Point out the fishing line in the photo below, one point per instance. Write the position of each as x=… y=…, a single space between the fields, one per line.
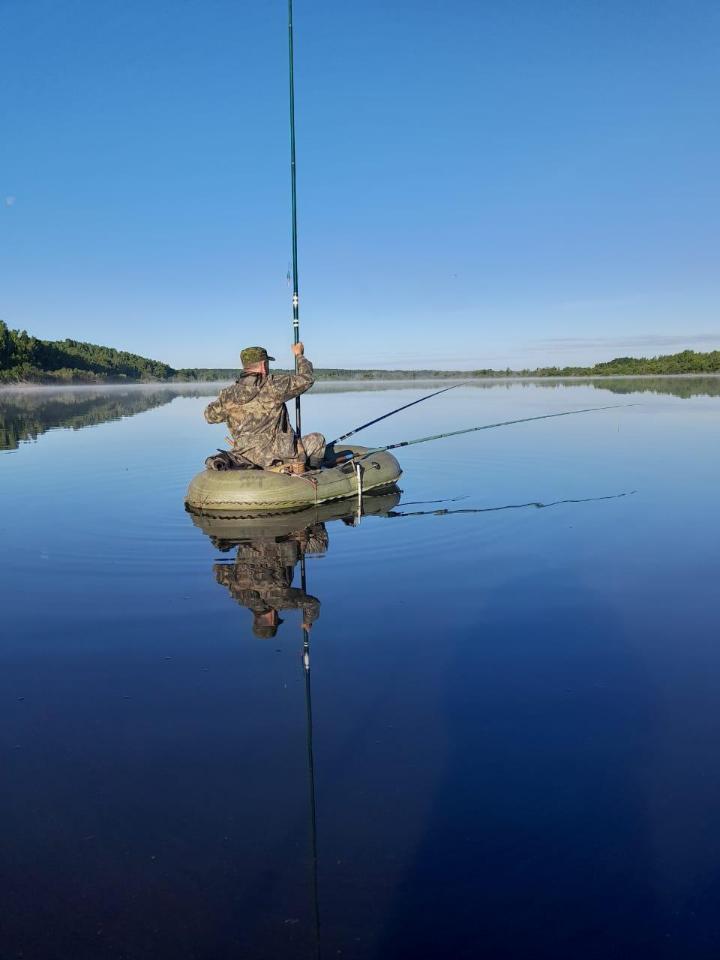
x=486 y=426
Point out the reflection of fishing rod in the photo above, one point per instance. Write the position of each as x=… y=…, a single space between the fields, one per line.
x=310 y=764
x=443 y=511
x=437 y=393
x=486 y=426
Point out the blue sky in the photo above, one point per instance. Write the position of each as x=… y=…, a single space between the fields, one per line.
x=480 y=184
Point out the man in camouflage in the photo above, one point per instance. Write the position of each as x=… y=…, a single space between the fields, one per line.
x=254 y=409
x=261 y=578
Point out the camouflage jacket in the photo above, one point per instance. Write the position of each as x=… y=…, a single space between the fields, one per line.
x=262 y=575
x=254 y=409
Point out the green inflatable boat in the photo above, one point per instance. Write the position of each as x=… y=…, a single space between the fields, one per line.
x=255 y=491
x=229 y=530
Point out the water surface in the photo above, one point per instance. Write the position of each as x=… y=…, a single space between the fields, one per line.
x=514 y=679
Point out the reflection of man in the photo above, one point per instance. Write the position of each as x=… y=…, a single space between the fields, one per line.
x=261 y=578
x=254 y=409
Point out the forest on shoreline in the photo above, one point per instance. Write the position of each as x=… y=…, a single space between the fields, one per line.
x=25 y=359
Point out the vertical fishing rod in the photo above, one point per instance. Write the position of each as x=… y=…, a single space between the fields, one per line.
x=310 y=765
x=295 y=296
x=298 y=430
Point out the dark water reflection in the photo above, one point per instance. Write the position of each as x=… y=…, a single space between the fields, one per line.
x=514 y=688
x=671 y=386
x=26 y=415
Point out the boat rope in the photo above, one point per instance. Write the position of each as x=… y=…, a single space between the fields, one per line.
x=485 y=426
x=351 y=433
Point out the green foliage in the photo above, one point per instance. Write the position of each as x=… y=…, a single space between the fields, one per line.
x=688 y=361
x=25 y=359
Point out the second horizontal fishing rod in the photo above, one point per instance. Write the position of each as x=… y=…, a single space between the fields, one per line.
x=486 y=426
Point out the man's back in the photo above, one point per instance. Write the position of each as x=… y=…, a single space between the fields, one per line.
x=263 y=571
x=254 y=409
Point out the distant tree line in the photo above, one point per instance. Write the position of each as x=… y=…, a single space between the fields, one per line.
x=688 y=361
x=26 y=359
x=678 y=363
x=205 y=374
x=337 y=373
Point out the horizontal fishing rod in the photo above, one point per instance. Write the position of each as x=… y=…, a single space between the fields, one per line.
x=437 y=393
x=486 y=426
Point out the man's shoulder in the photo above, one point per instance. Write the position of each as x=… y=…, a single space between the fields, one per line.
x=289 y=378
x=242 y=387
x=277 y=383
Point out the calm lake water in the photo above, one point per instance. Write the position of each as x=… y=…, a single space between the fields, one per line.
x=515 y=707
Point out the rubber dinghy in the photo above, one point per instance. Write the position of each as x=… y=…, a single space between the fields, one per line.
x=229 y=529
x=218 y=491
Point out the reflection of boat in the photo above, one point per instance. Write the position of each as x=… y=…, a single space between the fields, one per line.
x=261 y=574
x=230 y=530
x=230 y=491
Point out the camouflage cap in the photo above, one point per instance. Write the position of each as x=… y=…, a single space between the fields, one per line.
x=252 y=355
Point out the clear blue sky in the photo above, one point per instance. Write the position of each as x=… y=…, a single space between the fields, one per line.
x=480 y=183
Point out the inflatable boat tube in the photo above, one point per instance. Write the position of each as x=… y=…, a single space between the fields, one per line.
x=217 y=491
x=231 y=529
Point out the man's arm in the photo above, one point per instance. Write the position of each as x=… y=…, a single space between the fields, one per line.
x=313 y=540
x=215 y=412
x=310 y=605
x=311 y=611
x=289 y=385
